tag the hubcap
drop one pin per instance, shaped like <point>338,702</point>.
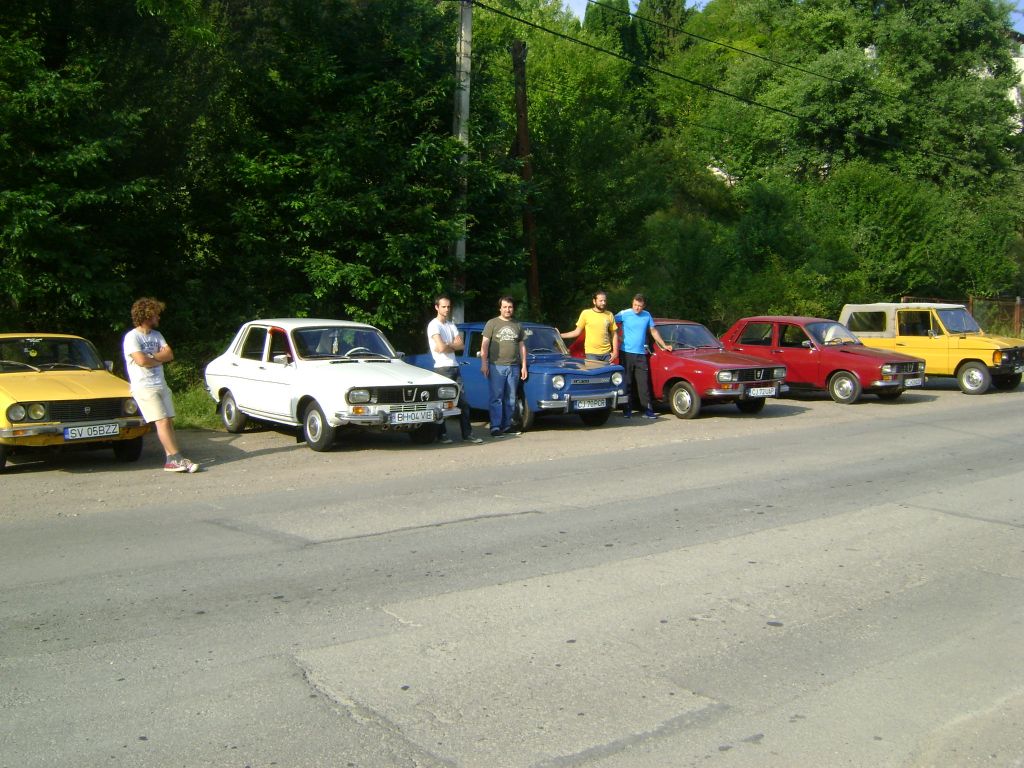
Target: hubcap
<point>844,388</point>
<point>972,378</point>
<point>313,426</point>
<point>682,401</point>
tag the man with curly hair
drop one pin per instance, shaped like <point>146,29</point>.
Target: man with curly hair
<point>145,352</point>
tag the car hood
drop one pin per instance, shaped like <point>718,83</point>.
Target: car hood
<point>721,358</point>
<point>374,373</point>
<point>992,340</point>
<point>545,363</point>
<point>879,355</point>
<point>61,385</point>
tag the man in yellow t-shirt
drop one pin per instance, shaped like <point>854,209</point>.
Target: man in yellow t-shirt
<point>601,341</point>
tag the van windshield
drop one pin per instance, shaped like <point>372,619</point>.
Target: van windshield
<point>958,320</point>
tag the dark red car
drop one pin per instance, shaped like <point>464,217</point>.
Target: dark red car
<point>700,371</point>
<point>824,354</point>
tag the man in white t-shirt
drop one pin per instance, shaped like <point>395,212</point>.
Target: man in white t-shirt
<point>445,341</point>
<point>145,352</point>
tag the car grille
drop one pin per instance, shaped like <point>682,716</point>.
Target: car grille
<point>754,374</point>
<point>410,395</point>
<point>1013,356</point>
<point>85,410</point>
<point>904,367</point>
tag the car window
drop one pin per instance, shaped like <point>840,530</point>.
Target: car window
<point>831,333</point>
<point>341,341</point>
<point>914,322</point>
<point>254,343</point>
<point>473,343</point>
<point>687,335</point>
<point>957,320</point>
<point>866,322</point>
<point>792,335</point>
<point>544,340</point>
<point>48,353</point>
<point>758,334</point>
<point>278,343</point>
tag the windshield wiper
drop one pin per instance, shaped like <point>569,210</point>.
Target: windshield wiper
<point>18,362</point>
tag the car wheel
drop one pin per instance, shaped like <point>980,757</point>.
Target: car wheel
<point>751,406</point>
<point>595,418</point>
<point>128,450</point>
<point>524,415</point>
<point>974,379</point>
<point>424,434</point>
<point>318,433</point>
<point>234,420</point>
<point>844,388</point>
<point>684,401</point>
<point>1007,382</point>
<point>890,394</point>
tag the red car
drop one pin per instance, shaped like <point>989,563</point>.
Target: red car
<point>699,371</point>
<point>824,354</point>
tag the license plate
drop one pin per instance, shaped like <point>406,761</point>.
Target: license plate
<point>916,382</point>
<point>411,417</point>
<point>761,392</point>
<point>91,431</point>
<point>584,404</point>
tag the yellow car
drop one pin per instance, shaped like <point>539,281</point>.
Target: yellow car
<point>56,392</point>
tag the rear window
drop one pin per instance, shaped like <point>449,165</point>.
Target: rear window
<point>866,322</point>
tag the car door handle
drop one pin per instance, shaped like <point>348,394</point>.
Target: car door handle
<point>776,351</point>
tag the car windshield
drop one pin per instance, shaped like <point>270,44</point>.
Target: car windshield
<point>39,353</point>
<point>335,341</point>
<point>688,335</point>
<point>832,334</point>
<point>542,340</point>
<point>958,320</point>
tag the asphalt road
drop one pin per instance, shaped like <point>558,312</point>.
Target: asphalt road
<point>818,585</point>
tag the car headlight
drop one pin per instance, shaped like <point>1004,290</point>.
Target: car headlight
<point>888,369</point>
<point>920,367</point>
<point>36,412</point>
<point>358,396</point>
<point>779,373</point>
<point>447,393</point>
<point>16,412</point>
<point>558,382</point>
<point>726,376</point>
<point>616,379</point>
<point>130,407</point>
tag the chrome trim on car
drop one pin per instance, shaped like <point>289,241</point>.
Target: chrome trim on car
<point>31,430</point>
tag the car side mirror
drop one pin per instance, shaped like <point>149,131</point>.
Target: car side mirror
<point>806,344</point>
<point>109,365</point>
<point>400,355</point>
<point>282,359</point>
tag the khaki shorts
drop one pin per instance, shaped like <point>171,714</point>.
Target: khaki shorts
<point>155,403</point>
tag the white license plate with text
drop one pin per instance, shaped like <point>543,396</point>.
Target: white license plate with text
<point>585,404</point>
<point>915,382</point>
<point>411,417</point>
<point>91,431</point>
<point>761,392</point>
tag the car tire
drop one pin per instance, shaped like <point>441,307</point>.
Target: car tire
<point>684,400</point>
<point>890,394</point>
<point>4,450</point>
<point>234,420</point>
<point>524,415</point>
<point>128,450</point>
<point>595,418</point>
<point>974,379</point>
<point>1007,382</point>
<point>751,406</point>
<point>424,434</point>
<point>844,388</point>
<point>319,435</point>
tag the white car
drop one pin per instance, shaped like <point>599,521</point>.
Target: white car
<point>323,375</point>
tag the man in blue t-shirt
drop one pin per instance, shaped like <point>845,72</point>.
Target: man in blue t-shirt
<point>636,324</point>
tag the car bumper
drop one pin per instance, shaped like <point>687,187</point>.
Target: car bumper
<point>899,381</point>
<point>384,420</point>
<point>744,392</point>
<point>564,402</point>
<point>42,435</point>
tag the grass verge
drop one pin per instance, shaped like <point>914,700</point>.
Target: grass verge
<point>195,409</point>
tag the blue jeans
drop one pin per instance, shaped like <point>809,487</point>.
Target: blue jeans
<point>503,382</point>
<point>464,423</point>
<point>605,358</point>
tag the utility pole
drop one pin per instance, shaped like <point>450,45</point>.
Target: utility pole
<point>460,128</point>
<point>523,152</point>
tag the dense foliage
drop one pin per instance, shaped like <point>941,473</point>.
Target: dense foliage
<point>283,157</point>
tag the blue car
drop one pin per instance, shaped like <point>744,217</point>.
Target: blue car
<point>556,382</point>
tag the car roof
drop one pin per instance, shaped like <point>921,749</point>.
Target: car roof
<point>666,320</point>
<point>798,319</point>
<point>906,305</point>
<point>473,325</point>
<point>291,323</point>
<point>33,335</point>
